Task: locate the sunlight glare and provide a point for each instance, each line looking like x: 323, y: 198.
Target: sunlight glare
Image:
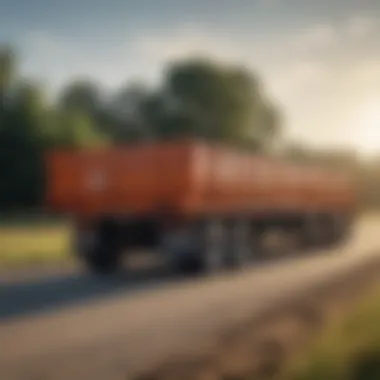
x: 367, y: 136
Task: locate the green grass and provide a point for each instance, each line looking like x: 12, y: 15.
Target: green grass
x: 23, y: 244
x: 348, y: 350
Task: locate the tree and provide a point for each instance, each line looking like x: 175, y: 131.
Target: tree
x: 165, y: 119
x: 21, y: 148
x: 81, y: 95
x: 124, y: 114
x: 76, y: 129
x: 213, y: 101
x: 80, y: 117
x: 7, y: 67
x: 198, y: 98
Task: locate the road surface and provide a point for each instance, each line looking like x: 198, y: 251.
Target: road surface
x: 83, y: 328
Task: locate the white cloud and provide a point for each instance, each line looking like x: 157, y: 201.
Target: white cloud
x: 186, y: 41
x: 315, y: 37
x: 47, y: 55
x: 60, y: 60
x: 325, y: 37
x: 281, y: 70
x: 359, y: 26
x: 303, y: 73
x: 366, y: 73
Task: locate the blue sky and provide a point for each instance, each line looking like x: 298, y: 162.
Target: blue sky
x: 319, y: 58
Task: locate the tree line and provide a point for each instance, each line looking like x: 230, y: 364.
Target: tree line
x: 197, y: 97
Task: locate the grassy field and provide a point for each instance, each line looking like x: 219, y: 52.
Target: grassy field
x: 349, y: 350
x: 34, y: 243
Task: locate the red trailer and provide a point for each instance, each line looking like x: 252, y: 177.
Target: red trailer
x: 204, y: 206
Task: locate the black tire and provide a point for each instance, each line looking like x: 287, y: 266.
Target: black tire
x: 240, y: 247
x: 102, y: 261
x: 187, y: 266
x: 311, y: 232
x: 214, y: 247
x: 210, y: 255
x: 105, y: 255
x: 332, y: 233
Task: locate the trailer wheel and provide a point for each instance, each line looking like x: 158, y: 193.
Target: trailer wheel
x: 103, y: 256
x: 206, y: 254
x: 331, y: 236
x: 188, y: 265
x: 240, y: 247
x: 311, y: 232
x: 102, y: 261
x: 213, y: 243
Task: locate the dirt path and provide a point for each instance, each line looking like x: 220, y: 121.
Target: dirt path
x: 125, y: 333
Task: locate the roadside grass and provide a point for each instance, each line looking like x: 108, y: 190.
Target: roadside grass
x: 370, y: 216
x: 347, y: 350
x: 29, y: 244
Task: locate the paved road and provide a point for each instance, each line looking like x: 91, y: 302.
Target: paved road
x: 79, y: 327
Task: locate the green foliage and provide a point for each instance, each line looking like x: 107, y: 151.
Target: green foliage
x: 7, y: 67
x: 21, y: 143
x: 198, y: 98
x: 82, y: 95
x: 29, y: 126
x: 213, y: 101
x: 347, y: 351
x: 76, y: 129
x: 123, y: 116
x: 34, y: 242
